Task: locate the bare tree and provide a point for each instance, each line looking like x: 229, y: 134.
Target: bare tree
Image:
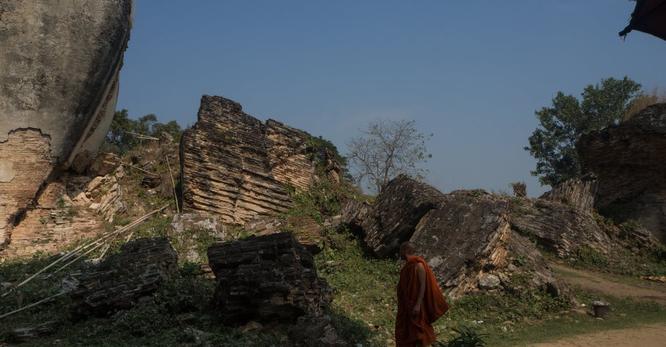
x: 385, y: 150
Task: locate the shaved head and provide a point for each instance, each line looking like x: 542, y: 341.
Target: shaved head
x: 407, y: 248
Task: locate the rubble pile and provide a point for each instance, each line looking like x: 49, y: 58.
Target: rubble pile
x: 122, y: 279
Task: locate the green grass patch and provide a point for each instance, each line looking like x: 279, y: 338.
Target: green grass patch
x: 364, y: 288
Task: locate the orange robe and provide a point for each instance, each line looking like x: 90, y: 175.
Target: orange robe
x: 417, y: 330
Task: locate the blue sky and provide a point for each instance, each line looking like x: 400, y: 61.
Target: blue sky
x: 470, y: 72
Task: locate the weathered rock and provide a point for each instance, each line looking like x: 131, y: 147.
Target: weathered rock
x: 121, y: 279
x: 354, y: 212
x: 628, y: 161
x: 465, y: 236
x: 71, y: 207
x: 201, y: 221
x: 235, y: 166
x: 559, y: 228
x: 58, y: 89
x: 467, y: 240
x: 193, y: 231
x: 489, y: 281
x: 578, y: 193
x: 395, y: 213
x: 266, y: 278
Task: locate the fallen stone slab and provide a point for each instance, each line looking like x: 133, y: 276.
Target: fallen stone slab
x: 266, y: 278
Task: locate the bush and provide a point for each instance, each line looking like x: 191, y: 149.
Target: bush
x: 323, y: 198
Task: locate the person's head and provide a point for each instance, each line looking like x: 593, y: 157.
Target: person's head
x: 406, y: 249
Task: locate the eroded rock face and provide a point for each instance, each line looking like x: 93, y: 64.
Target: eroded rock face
x: 266, y: 278
x: 123, y: 278
x: 468, y: 242
x: 628, y: 161
x: 235, y: 166
x: 577, y: 193
x: 58, y: 87
x: 559, y: 228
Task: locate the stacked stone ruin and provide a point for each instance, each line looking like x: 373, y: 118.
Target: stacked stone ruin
x: 267, y: 278
x: 239, y: 168
x: 122, y: 279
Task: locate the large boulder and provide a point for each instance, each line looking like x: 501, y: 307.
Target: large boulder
x: 393, y: 216
x: 628, y: 161
x: 122, y: 279
x: 266, y: 278
x: 468, y: 241
x: 239, y: 168
x: 58, y: 89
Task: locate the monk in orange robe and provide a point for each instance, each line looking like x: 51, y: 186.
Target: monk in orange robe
x: 420, y: 301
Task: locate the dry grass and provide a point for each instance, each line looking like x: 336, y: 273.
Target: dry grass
x: 643, y: 101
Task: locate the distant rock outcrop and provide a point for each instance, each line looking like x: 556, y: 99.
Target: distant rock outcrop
x: 235, y: 166
x: 629, y: 161
x: 267, y: 278
x: 58, y: 88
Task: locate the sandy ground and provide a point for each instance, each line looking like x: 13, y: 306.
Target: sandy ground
x: 653, y: 335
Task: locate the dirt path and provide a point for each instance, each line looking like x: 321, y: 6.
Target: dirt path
x: 605, y: 284
x: 653, y: 335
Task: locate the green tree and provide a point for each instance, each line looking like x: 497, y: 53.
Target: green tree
x: 118, y: 135
x: 553, y: 143
x: 122, y: 133
x: 172, y: 128
x: 145, y: 124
